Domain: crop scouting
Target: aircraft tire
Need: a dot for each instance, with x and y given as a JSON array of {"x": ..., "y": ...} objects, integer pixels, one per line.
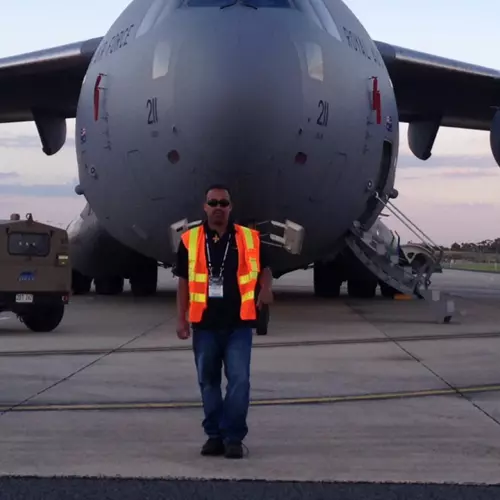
[
  {"x": 110, "y": 285},
  {"x": 361, "y": 289},
  {"x": 387, "y": 291},
  {"x": 326, "y": 283},
  {"x": 145, "y": 282},
  {"x": 43, "y": 318},
  {"x": 80, "y": 284}
]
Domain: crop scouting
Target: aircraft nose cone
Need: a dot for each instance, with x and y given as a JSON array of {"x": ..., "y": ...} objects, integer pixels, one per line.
[{"x": 238, "y": 95}]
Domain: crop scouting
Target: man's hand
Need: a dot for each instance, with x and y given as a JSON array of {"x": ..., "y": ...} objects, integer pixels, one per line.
[
  {"x": 183, "y": 331},
  {"x": 265, "y": 294},
  {"x": 265, "y": 297}
]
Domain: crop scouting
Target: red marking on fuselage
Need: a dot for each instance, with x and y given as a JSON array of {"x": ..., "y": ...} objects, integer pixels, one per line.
[
  {"x": 376, "y": 100},
  {"x": 97, "y": 95}
]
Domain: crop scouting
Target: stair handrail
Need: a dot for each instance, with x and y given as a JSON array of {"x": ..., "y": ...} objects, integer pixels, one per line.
[{"x": 402, "y": 218}]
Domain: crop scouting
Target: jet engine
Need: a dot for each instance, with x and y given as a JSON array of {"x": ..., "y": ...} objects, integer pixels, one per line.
[
  {"x": 97, "y": 256},
  {"x": 495, "y": 137}
]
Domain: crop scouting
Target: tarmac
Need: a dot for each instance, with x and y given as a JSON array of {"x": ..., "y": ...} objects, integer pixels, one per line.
[{"x": 350, "y": 399}]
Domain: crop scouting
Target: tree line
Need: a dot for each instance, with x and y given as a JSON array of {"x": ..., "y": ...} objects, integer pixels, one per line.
[{"x": 485, "y": 246}]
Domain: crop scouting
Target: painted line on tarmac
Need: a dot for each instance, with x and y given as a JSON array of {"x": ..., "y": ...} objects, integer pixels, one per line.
[
  {"x": 266, "y": 345},
  {"x": 306, "y": 401},
  {"x": 485, "y": 271}
]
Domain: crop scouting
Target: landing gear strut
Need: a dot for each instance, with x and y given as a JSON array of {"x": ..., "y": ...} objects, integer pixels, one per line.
[{"x": 144, "y": 280}]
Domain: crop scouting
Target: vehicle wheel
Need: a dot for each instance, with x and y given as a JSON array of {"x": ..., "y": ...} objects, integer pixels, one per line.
[
  {"x": 80, "y": 284},
  {"x": 43, "y": 318},
  {"x": 262, "y": 320},
  {"x": 112, "y": 285}
]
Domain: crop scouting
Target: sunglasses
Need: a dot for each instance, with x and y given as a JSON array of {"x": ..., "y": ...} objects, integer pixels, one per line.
[{"x": 220, "y": 203}]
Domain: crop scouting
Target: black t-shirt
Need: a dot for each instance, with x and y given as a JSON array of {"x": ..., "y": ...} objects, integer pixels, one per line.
[{"x": 221, "y": 313}]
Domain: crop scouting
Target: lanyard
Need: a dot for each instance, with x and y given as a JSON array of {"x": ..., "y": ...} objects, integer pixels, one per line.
[{"x": 223, "y": 259}]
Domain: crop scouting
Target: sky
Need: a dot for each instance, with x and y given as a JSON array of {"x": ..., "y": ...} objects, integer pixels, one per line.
[{"x": 454, "y": 196}]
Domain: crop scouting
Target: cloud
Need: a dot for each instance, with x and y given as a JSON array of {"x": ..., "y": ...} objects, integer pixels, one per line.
[
  {"x": 447, "y": 221},
  {"x": 441, "y": 173},
  {"x": 8, "y": 175},
  {"x": 467, "y": 206},
  {"x": 469, "y": 173},
  {"x": 20, "y": 141},
  {"x": 27, "y": 141},
  {"x": 58, "y": 211},
  {"x": 408, "y": 160},
  {"x": 39, "y": 190}
]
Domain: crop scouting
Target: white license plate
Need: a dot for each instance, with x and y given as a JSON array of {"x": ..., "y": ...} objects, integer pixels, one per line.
[{"x": 24, "y": 298}]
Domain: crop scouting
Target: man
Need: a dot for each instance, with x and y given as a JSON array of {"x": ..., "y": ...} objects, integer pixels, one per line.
[{"x": 219, "y": 265}]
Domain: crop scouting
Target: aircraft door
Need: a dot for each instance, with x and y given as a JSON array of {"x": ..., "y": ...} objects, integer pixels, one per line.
[{"x": 381, "y": 181}]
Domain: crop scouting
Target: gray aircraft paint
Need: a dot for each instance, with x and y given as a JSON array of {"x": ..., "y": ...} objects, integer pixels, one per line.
[
  {"x": 190, "y": 69},
  {"x": 237, "y": 96}
]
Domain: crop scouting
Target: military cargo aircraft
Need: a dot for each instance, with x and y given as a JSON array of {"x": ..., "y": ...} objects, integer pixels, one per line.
[{"x": 290, "y": 103}]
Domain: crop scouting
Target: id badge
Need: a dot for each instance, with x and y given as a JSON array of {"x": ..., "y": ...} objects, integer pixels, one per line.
[{"x": 215, "y": 288}]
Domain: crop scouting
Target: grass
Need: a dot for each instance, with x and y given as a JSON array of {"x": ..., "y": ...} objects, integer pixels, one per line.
[{"x": 473, "y": 266}]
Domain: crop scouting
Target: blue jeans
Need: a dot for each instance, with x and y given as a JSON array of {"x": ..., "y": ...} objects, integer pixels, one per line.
[{"x": 224, "y": 419}]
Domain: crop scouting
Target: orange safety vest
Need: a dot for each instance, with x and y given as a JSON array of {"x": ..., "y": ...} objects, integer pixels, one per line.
[{"x": 247, "y": 242}]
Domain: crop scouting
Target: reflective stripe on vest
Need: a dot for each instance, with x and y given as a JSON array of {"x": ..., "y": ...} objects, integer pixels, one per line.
[
  {"x": 247, "y": 242},
  {"x": 248, "y": 269}
]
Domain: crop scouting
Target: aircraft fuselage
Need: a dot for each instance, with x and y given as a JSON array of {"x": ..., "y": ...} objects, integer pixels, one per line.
[{"x": 264, "y": 100}]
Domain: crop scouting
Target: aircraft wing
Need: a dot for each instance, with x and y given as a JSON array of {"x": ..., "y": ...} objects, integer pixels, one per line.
[
  {"x": 462, "y": 94},
  {"x": 47, "y": 80},
  {"x": 427, "y": 86},
  {"x": 433, "y": 91}
]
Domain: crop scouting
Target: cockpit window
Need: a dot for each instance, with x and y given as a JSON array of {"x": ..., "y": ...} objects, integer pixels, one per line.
[
  {"x": 317, "y": 11},
  {"x": 158, "y": 11},
  {"x": 206, "y": 3},
  {"x": 223, "y": 3},
  {"x": 168, "y": 8},
  {"x": 269, "y": 3},
  {"x": 150, "y": 17}
]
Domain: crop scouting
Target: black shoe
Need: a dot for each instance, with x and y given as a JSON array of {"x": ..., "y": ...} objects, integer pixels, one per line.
[
  {"x": 234, "y": 450},
  {"x": 213, "y": 447}
]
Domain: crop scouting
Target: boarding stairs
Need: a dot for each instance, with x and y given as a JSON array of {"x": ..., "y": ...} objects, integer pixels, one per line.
[{"x": 379, "y": 250}]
